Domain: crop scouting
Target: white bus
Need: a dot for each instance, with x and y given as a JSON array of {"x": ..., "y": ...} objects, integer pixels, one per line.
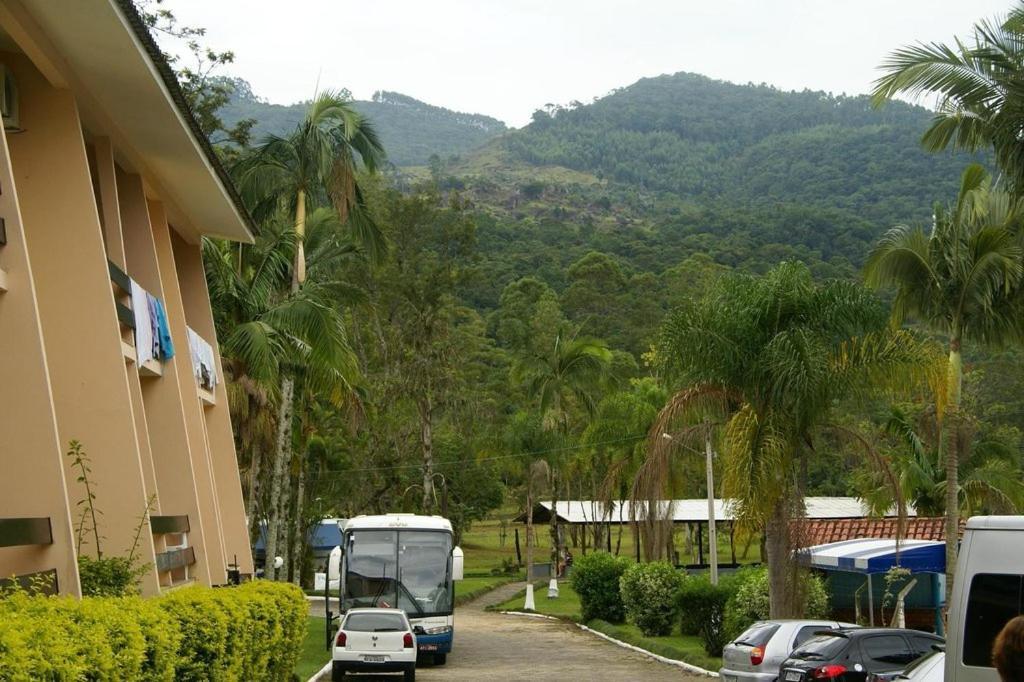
[{"x": 403, "y": 561}]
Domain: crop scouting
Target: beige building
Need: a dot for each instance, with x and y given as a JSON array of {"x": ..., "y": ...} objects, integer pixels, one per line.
[{"x": 106, "y": 188}]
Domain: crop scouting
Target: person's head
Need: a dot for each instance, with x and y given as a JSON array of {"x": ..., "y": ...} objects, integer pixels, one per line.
[{"x": 1008, "y": 651}]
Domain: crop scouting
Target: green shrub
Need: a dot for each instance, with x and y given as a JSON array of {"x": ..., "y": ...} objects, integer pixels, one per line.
[
  {"x": 595, "y": 578},
  {"x": 649, "y": 595},
  {"x": 702, "y": 606},
  {"x": 251, "y": 632},
  {"x": 750, "y": 602},
  {"x": 108, "y": 577}
]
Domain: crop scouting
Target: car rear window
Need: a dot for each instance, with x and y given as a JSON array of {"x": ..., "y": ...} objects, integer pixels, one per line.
[
  {"x": 757, "y": 634},
  {"x": 921, "y": 644},
  {"x": 887, "y": 649},
  {"x": 808, "y": 631},
  {"x": 374, "y": 622},
  {"x": 821, "y": 647},
  {"x": 993, "y": 600}
]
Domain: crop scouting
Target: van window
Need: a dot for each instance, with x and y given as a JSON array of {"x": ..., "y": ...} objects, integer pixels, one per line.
[
  {"x": 993, "y": 600},
  {"x": 891, "y": 649}
]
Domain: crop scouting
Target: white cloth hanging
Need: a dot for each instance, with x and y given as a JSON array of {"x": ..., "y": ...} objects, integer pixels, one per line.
[
  {"x": 204, "y": 366},
  {"x": 143, "y": 324}
]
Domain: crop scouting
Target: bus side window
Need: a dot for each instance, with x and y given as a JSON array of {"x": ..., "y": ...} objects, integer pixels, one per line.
[{"x": 993, "y": 600}]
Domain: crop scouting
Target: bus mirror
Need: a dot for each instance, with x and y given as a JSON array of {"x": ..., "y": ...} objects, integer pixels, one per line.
[
  {"x": 457, "y": 561},
  {"x": 334, "y": 565}
]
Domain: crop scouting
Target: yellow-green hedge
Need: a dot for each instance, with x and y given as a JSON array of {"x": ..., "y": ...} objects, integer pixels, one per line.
[{"x": 251, "y": 632}]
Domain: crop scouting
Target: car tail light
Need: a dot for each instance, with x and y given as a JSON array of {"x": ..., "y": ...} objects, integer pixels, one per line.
[
  {"x": 828, "y": 672},
  {"x": 756, "y": 655},
  {"x": 407, "y": 640},
  {"x": 340, "y": 639}
]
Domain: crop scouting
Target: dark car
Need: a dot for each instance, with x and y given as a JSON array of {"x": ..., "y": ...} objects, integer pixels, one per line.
[{"x": 852, "y": 655}]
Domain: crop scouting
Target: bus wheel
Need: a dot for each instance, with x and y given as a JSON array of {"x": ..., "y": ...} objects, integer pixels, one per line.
[{"x": 440, "y": 659}]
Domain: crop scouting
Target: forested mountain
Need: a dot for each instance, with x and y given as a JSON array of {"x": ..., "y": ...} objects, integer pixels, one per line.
[
  {"x": 708, "y": 139},
  {"x": 682, "y": 167},
  {"x": 412, "y": 131}
]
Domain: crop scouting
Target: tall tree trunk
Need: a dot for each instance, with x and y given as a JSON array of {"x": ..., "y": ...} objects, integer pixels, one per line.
[
  {"x": 281, "y": 456},
  {"x": 300, "y": 527},
  {"x": 951, "y": 429},
  {"x": 284, "y": 529},
  {"x": 529, "y": 531},
  {"x": 252, "y": 515},
  {"x": 299, "y": 271},
  {"x": 528, "y": 602},
  {"x": 779, "y": 570},
  {"x": 427, "y": 443},
  {"x": 555, "y": 544}
]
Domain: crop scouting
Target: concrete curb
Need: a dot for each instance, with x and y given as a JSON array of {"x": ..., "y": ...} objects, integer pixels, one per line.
[
  {"x": 670, "y": 661},
  {"x": 320, "y": 673},
  {"x": 527, "y": 614}
]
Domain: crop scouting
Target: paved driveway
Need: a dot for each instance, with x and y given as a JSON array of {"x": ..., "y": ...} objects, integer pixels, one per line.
[{"x": 493, "y": 646}]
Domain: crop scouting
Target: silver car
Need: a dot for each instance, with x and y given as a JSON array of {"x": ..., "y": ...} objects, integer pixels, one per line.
[{"x": 755, "y": 655}]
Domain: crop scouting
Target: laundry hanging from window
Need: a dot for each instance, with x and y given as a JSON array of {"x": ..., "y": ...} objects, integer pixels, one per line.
[
  {"x": 204, "y": 365},
  {"x": 152, "y": 333},
  {"x": 143, "y": 324}
]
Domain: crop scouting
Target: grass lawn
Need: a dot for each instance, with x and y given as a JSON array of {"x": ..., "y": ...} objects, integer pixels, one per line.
[
  {"x": 680, "y": 647},
  {"x": 566, "y": 606},
  {"x": 686, "y": 648},
  {"x": 472, "y": 587},
  {"x": 314, "y": 653}
]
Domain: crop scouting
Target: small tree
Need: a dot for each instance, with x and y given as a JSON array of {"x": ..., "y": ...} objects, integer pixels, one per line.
[
  {"x": 649, "y": 596},
  {"x": 595, "y": 577}
]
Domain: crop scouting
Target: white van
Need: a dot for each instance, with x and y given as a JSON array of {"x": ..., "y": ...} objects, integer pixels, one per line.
[{"x": 987, "y": 592}]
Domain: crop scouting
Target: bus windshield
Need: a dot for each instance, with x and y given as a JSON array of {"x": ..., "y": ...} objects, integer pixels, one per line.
[{"x": 407, "y": 569}]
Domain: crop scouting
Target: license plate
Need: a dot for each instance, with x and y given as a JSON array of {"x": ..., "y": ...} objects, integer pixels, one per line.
[
  {"x": 374, "y": 659},
  {"x": 428, "y": 647},
  {"x": 793, "y": 676}
]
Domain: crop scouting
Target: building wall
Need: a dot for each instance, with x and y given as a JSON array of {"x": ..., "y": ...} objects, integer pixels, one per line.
[{"x": 68, "y": 366}]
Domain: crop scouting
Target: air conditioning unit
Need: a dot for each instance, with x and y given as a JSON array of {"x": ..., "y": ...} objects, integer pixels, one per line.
[{"x": 9, "y": 100}]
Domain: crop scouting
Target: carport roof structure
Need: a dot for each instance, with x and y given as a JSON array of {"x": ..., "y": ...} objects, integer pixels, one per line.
[
  {"x": 687, "y": 510},
  {"x": 877, "y": 555}
]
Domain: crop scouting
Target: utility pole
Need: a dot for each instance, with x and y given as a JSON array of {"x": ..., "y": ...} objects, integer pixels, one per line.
[{"x": 712, "y": 531}]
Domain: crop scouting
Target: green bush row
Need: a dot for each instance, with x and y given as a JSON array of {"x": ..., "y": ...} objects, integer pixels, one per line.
[
  {"x": 654, "y": 596},
  {"x": 720, "y": 613},
  {"x": 251, "y": 632}
]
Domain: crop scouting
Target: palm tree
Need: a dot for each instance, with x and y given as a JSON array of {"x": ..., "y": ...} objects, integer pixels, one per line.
[
  {"x": 563, "y": 378},
  {"x": 771, "y": 355},
  {"x": 317, "y": 162},
  {"x": 271, "y": 334},
  {"x": 977, "y": 81},
  {"x": 963, "y": 280},
  {"x": 990, "y": 481},
  {"x": 616, "y": 435}
]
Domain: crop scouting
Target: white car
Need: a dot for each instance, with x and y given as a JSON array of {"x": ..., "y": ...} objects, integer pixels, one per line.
[
  {"x": 374, "y": 641},
  {"x": 755, "y": 655},
  {"x": 929, "y": 668}
]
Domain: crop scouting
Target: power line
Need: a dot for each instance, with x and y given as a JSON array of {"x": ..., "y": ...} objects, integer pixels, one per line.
[{"x": 531, "y": 453}]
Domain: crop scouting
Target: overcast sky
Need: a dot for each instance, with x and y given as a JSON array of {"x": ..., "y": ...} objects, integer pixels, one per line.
[{"x": 506, "y": 58}]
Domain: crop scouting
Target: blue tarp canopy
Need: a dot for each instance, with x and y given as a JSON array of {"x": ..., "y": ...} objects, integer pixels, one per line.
[
  {"x": 323, "y": 537},
  {"x": 872, "y": 556}
]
